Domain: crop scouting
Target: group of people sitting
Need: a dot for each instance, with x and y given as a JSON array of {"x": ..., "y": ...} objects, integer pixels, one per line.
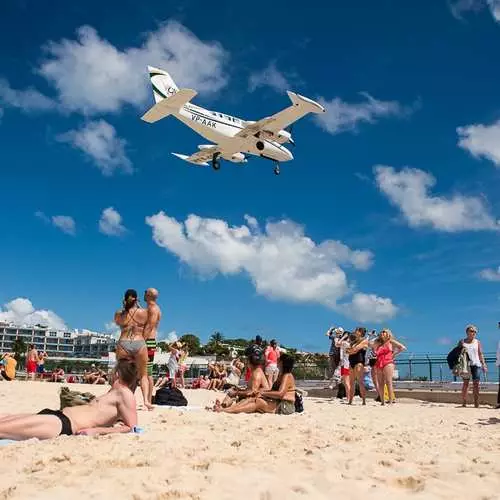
[{"x": 356, "y": 353}]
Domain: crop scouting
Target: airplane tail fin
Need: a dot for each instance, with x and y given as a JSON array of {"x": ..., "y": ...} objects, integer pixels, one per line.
[
  {"x": 163, "y": 84},
  {"x": 306, "y": 104}
]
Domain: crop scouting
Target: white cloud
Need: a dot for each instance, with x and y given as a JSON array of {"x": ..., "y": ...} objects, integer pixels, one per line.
[
  {"x": 369, "y": 307},
  {"x": 490, "y": 274},
  {"x": 409, "y": 190},
  {"x": 270, "y": 77},
  {"x": 21, "y": 312},
  {"x": 282, "y": 262},
  {"x": 26, "y": 100},
  {"x": 65, "y": 223},
  {"x": 459, "y": 7},
  {"x": 342, "y": 116},
  {"x": 99, "y": 140},
  {"x": 91, "y": 75},
  {"x": 481, "y": 141},
  {"x": 110, "y": 222}
]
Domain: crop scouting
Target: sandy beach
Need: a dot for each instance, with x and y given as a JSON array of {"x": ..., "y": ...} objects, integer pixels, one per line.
[{"x": 410, "y": 450}]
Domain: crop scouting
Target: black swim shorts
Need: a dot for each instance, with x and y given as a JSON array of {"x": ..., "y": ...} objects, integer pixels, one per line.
[{"x": 65, "y": 422}]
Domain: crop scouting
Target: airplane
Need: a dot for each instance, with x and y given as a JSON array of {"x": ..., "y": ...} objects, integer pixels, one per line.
[{"x": 233, "y": 137}]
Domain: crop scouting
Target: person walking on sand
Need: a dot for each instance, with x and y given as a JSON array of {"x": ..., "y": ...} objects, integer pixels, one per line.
[
  {"x": 31, "y": 362},
  {"x": 476, "y": 362},
  {"x": 150, "y": 332},
  {"x": 98, "y": 417},
  {"x": 131, "y": 345},
  {"x": 272, "y": 355}
]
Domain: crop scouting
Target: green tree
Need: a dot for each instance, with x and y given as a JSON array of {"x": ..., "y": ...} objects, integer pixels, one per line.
[
  {"x": 192, "y": 343},
  {"x": 217, "y": 338},
  {"x": 19, "y": 347}
]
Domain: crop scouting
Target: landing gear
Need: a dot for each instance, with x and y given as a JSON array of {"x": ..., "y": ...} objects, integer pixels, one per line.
[
  {"x": 216, "y": 161},
  {"x": 277, "y": 169}
]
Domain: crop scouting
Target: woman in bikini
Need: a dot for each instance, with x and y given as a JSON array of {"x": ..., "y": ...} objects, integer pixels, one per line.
[
  {"x": 385, "y": 345},
  {"x": 357, "y": 354},
  {"x": 131, "y": 345}
]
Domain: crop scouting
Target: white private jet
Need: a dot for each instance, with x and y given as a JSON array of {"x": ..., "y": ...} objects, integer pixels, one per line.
[{"x": 233, "y": 137}]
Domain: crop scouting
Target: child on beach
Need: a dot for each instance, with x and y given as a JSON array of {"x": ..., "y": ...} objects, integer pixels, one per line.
[{"x": 97, "y": 417}]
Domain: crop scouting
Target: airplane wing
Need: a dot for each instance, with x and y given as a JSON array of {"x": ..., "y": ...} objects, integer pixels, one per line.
[
  {"x": 201, "y": 157},
  {"x": 300, "y": 107}
]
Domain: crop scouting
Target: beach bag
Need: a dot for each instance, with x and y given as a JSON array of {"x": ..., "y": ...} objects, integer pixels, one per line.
[
  {"x": 462, "y": 368},
  {"x": 453, "y": 355},
  {"x": 299, "y": 402},
  {"x": 74, "y": 398},
  {"x": 170, "y": 397}
]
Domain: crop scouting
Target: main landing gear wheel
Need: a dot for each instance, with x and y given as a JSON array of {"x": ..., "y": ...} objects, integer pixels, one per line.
[
  {"x": 216, "y": 161},
  {"x": 277, "y": 170}
]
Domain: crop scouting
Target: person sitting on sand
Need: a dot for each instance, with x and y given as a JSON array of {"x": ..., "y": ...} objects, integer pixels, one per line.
[
  {"x": 8, "y": 367},
  {"x": 97, "y": 417},
  {"x": 233, "y": 379},
  {"x": 258, "y": 382},
  {"x": 279, "y": 400},
  {"x": 57, "y": 375}
]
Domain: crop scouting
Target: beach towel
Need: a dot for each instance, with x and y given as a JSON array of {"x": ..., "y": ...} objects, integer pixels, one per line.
[
  {"x": 182, "y": 408},
  {"x": 5, "y": 442}
]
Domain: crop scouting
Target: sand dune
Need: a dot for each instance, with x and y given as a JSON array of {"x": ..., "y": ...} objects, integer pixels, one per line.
[{"x": 412, "y": 450}]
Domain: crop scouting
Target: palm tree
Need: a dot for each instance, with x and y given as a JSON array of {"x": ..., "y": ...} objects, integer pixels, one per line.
[
  {"x": 216, "y": 339},
  {"x": 19, "y": 348}
]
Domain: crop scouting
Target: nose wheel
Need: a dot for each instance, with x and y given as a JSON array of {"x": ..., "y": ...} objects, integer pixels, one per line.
[{"x": 277, "y": 169}]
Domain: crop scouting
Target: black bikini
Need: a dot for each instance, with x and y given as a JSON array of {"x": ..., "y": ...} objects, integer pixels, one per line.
[
  {"x": 357, "y": 358},
  {"x": 65, "y": 421}
]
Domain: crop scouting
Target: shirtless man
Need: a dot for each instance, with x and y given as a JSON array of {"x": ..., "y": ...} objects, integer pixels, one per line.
[
  {"x": 98, "y": 417},
  {"x": 150, "y": 331},
  {"x": 31, "y": 362},
  {"x": 131, "y": 344}
]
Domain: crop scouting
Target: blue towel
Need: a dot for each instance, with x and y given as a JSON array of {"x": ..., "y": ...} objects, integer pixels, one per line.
[{"x": 4, "y": 442}]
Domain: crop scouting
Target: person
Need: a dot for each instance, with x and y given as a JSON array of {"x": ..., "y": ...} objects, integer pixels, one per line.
[
  {"x": 57, "y": 375},
  {"x": 334, "y": 354},
  {"x": 357, "y": 354},
  {"x": 255, "y": 348},
  {"x": 372, "y": 362},
  {"x": 498, "y": 368},
  {"x": 173, "y": 361},
  {"x": 40, "y": 369},
  {"x": 97, "y": 417},
  {"x": 279, "y": 400},
  {"x": 31, "y": 360},
  {"x": 235, "y": 371},
  {"x": 131, "y": 345},
  {"x": 257, "y": 382},
  {"x": 384, "y": 350},
  {"x": 272, "y": 354},
  {"x": 8, "y": 367},
  {"x": 476, "y": 362},
  {"x": 183, "y": 366},
  {"x": 342, "y": 343},
  {"x": 150, "y": 332}
]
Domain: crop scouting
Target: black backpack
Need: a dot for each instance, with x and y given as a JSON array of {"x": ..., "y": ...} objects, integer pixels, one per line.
[
  {"x": 299, "y": 402},
  {"x": 170, "y": 397}
]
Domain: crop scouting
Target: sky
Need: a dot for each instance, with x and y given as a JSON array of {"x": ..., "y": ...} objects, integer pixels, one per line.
[{"x": 388, "y": 216}]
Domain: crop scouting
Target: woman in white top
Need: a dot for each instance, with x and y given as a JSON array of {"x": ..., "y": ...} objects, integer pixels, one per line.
[{"x": 476, "y": 362}]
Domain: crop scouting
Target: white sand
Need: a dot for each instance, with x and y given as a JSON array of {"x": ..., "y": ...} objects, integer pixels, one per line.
[{"x": 412, "y": 450}]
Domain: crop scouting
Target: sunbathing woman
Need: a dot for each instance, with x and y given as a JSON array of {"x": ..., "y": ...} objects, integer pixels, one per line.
[
  {"x": 97, "y": 417},
  {"x": 280, "y": 400}
]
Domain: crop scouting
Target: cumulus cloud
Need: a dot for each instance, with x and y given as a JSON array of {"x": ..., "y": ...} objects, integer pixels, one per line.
[
  {"x": 369, "y": 307},
  {"x": 21, "y": 312},
  {"x": 110, "y": 222},
  {"x": 100, "y": 142},
  {"x": 91, "y": 75},
  {"x": 490, "y": 274},
  {"x": 481, "y": 141},
  {"x": 460, "y": 7},
  {"x": 342, "y": 116},
  {"x": 26, "y": 100},
  {"x": 63, "y": 222},
  {"x": 409, "y": 191},
  {"x": 269, "y": 77},
  {"x": 282, "y": 262}
]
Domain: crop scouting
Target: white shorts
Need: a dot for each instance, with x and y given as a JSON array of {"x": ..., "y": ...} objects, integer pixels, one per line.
[{"x": 271, "y": 369}]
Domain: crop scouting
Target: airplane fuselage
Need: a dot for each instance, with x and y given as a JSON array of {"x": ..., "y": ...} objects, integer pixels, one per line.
[{"x": 222, "y": 129}]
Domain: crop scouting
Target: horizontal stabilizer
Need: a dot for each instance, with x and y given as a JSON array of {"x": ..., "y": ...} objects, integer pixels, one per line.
[
  {"x": 306, "y": 103},
  {"x": 188, "y": 159},
  {"x": 168, "y": 106}
]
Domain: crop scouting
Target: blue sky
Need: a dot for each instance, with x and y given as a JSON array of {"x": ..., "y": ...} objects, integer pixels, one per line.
[{"x": 387, "y": 216}]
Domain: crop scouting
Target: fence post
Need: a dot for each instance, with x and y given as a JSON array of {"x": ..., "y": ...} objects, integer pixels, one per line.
[
  {"x": 430, "y": 367},
  {"x": 410, "y": 367}
]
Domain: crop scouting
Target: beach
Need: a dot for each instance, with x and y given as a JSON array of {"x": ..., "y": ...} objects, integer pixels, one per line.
[{"x": 409, "y": 450}]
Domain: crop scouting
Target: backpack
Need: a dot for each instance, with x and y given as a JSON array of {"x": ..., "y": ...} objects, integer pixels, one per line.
[
  {"x": 299, "y": 402},
  {"x": 170, "y": 397},
  {"x": 74, "y": 398},
  {"x": 453, "y": 355}
]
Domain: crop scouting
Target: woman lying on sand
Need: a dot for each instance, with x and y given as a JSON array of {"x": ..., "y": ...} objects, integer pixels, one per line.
[
  {"x": 280, "y": 400},
  {"x": 98, "y": 417}
]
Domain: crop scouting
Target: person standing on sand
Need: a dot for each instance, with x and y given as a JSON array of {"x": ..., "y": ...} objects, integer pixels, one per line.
[
  {"x": 40, "y": 369},
  {"x": 150, "y": 332},
  {"x": 131, "y": 345},
  {"x": 31, "y": 361},
  {"x": 95, "y": 418},
  {"x": 272, "y": 355},
  {"x": 498, "y": 368},
  {"x": 357, "y": 355},
  {"x": 334, "y": 355},
  {"x": 476, "y": 362}
]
